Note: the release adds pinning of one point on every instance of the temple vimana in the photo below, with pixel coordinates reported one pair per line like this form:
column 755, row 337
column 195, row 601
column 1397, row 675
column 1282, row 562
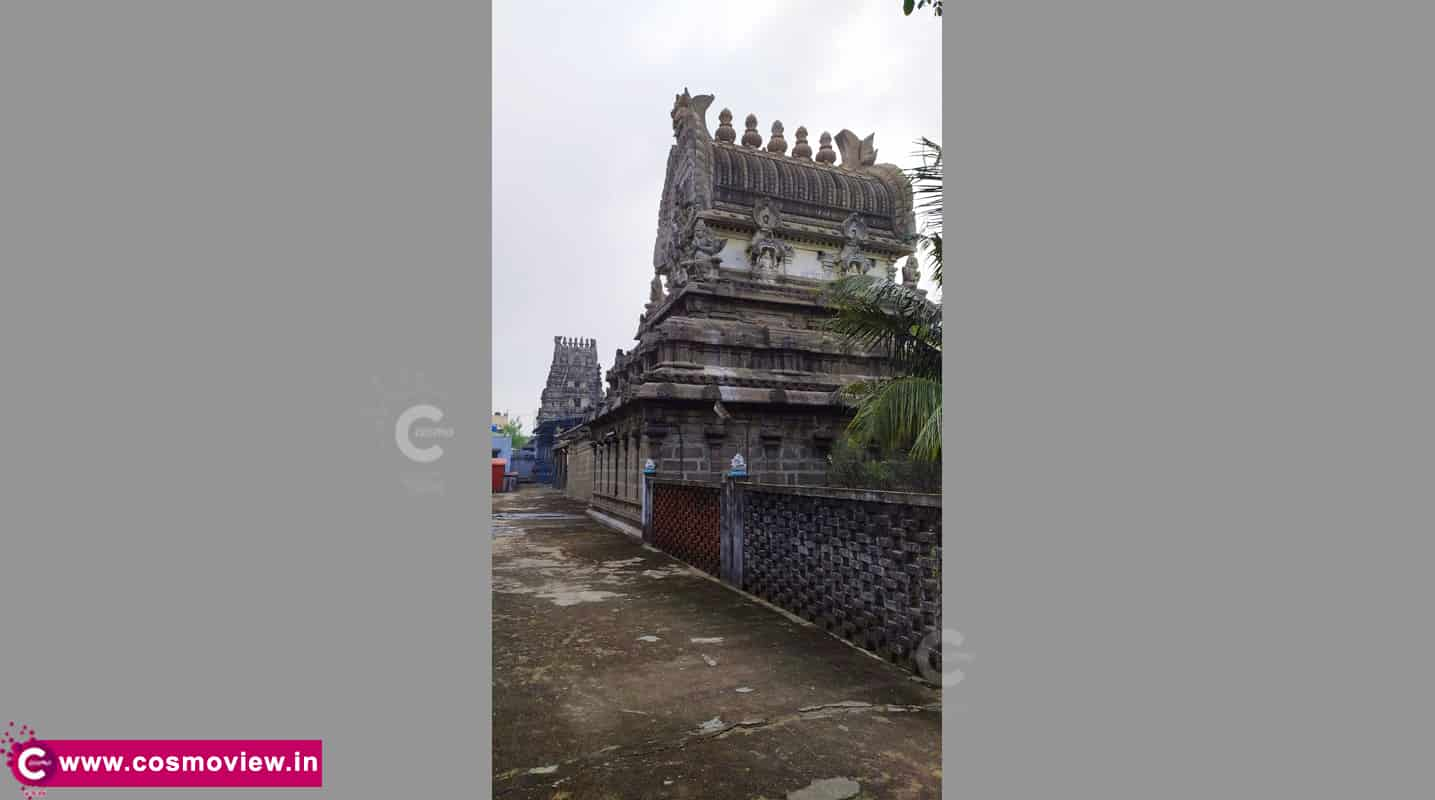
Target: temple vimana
column 731, row 356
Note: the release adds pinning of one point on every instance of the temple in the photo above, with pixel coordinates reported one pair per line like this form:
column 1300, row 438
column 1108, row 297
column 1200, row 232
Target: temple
column 732, row 357
column 572, row 394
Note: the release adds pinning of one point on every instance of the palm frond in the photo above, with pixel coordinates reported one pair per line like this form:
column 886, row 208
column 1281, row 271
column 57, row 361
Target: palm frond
column 882, row 316
column 927, row 201
column 897, row 412
column 928, row 444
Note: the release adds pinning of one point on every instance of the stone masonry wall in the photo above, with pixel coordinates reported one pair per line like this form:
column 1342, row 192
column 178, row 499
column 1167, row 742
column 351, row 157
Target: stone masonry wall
column 580, row 472
column 865, row 565
column 780, row 447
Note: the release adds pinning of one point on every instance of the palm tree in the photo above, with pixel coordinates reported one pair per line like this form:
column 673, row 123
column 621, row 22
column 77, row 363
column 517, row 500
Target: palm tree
column 902, row 412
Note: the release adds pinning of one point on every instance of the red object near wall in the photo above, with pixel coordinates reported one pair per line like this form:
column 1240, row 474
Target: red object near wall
column 498, row 467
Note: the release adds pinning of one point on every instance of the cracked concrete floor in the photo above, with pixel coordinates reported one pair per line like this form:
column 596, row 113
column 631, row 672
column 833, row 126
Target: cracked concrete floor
column 621, row 673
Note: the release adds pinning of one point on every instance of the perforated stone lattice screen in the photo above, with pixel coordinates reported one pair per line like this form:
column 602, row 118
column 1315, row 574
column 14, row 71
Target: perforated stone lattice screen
column 870, row 572
column 685, row 524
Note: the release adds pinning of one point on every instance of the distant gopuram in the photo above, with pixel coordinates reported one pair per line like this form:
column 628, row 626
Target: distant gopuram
column 575, row 384
column 731, row 355
column 572, row 394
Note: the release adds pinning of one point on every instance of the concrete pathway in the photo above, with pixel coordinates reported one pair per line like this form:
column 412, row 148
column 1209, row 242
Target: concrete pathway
column 622, row 673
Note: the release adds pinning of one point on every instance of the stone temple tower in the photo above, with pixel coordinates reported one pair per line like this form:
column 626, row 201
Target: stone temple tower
column 574, row 385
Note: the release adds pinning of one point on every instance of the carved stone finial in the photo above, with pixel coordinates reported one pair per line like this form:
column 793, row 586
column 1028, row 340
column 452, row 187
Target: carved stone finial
column 655, row 291
column 750, row 137
column 802, row 149
column 725, row 131
column 775, row 143
column 825, row 153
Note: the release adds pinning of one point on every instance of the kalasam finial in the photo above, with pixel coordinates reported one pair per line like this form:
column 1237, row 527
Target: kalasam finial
column 825, row 153
column 725, row 132
column 802, row 149
column 750, row 137
column 775, row 143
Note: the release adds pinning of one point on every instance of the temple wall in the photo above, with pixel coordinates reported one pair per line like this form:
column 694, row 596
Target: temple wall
column 788, row 447
column 580, row 472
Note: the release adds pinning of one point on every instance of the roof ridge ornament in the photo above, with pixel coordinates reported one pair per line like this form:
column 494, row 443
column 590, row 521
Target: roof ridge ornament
column 802, row 149
column 750, row 137
column 775, row 143
column 725, row 131
column 690, row 109
column 825, row 153
column 856, row 153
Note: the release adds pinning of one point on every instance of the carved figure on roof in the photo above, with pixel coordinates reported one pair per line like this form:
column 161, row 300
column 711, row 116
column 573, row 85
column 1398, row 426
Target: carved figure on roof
column 849, row 260
column 767, row 253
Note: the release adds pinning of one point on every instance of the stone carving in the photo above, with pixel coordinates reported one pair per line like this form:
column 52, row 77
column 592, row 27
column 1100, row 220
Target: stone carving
column 856, row 153
column 911, row 272
column 775, row 143
column 655, row 292
column 766, row 215
column 725, row 132
column 696, row 247
column 802, row 149
column 854, row 227
column 686, row 108
column 687, row 186
column 750, row 137
column 704, row 243
column 825, row 153
column 766, row 253
column 849, row 260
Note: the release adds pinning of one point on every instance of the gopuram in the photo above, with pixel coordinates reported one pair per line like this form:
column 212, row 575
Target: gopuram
column 572, row 394
column 732, row 357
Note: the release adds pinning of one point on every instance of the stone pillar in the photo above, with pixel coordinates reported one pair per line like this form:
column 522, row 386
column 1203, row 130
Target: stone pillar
column 730, row 529
column 646, row 512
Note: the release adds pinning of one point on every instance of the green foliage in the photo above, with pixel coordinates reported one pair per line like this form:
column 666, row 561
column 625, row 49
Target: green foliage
column 514, row 429
column 853, row 466
column 902, row 412
column 908, row 6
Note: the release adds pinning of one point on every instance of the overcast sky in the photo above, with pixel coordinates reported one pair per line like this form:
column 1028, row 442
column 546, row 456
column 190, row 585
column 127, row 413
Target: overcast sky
column 581, row 95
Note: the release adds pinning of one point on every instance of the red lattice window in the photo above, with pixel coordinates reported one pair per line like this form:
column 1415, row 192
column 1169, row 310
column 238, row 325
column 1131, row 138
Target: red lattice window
column 685, row 524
